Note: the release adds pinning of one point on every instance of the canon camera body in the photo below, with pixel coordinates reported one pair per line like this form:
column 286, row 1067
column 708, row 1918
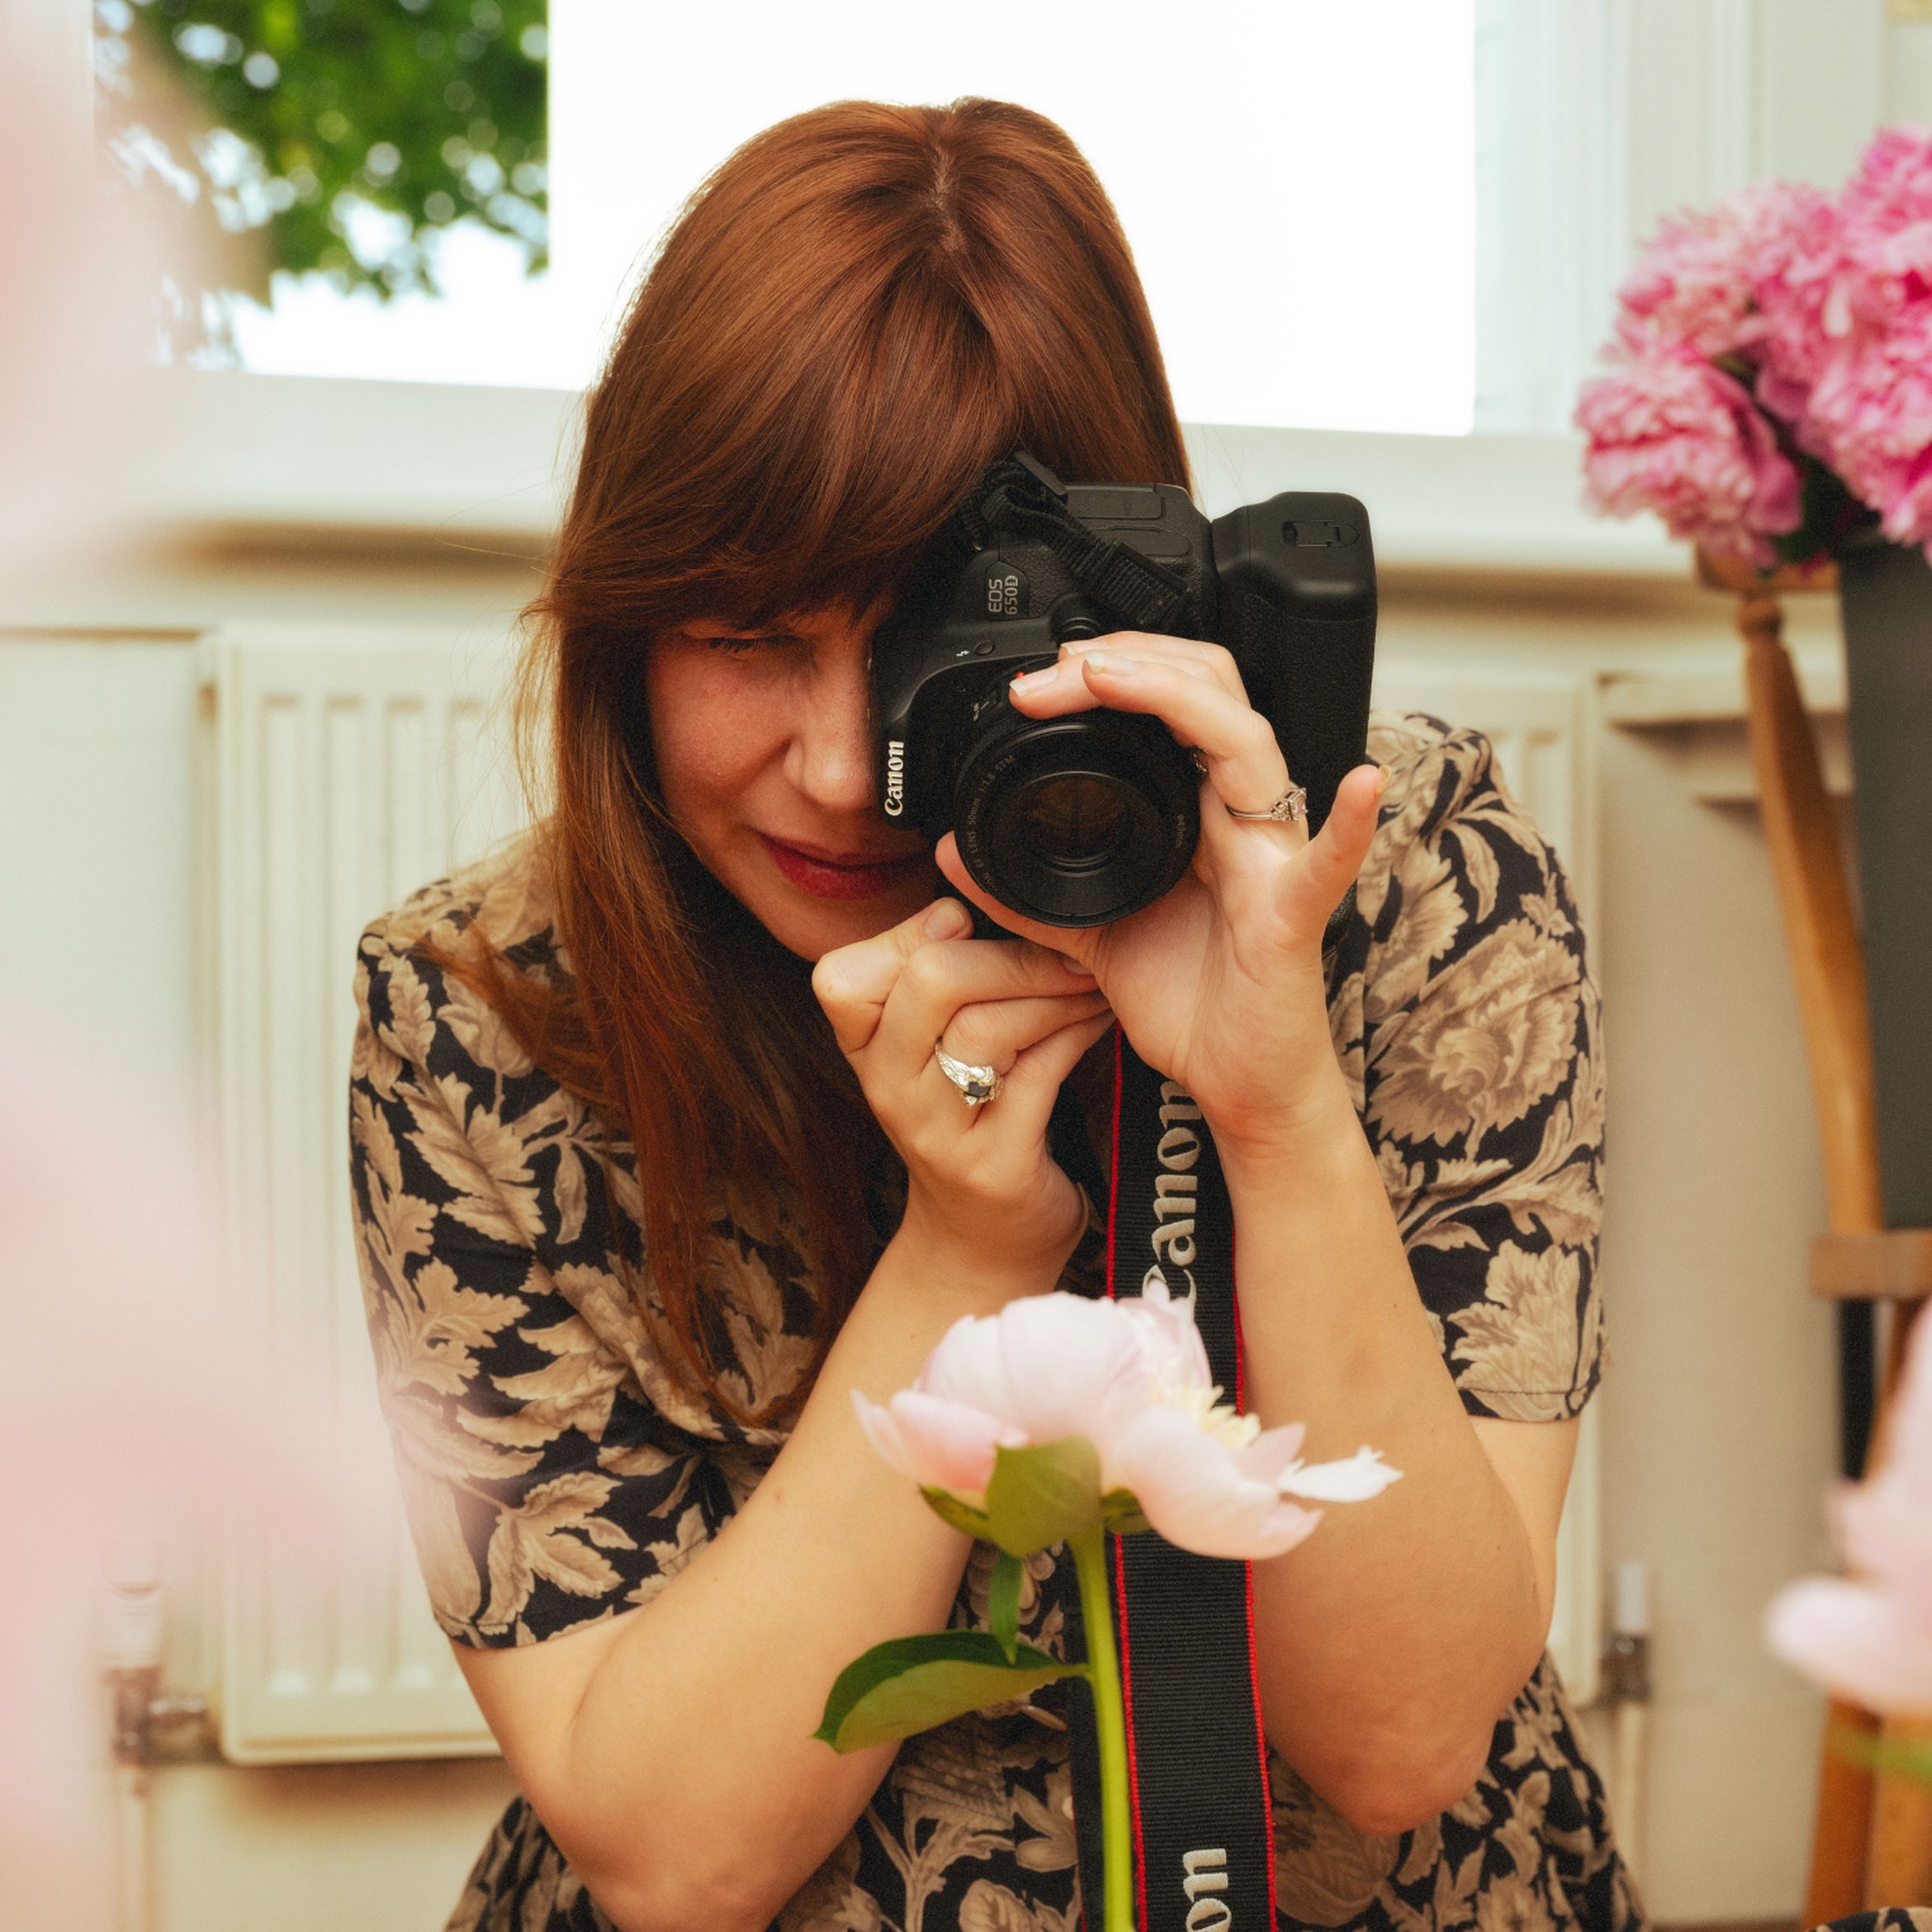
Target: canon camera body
column 1079, row 819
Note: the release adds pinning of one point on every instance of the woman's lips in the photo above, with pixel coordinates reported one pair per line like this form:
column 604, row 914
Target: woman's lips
column 826, row 877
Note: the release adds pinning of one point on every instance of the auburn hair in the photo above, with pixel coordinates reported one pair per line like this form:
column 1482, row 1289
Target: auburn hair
column 860, row 309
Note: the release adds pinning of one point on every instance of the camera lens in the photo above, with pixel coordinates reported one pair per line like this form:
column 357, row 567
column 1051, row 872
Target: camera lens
column 1073, row 820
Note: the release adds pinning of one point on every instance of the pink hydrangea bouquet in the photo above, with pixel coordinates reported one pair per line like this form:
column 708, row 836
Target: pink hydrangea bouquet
column 1770, row 383
column 1058, row 1420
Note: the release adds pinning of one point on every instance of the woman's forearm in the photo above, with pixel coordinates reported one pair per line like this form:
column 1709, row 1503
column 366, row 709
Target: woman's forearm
column 681, row 1778
column 1392, row 1639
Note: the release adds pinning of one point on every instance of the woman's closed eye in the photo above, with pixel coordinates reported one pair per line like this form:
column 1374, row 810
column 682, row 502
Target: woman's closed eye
column 738, row 646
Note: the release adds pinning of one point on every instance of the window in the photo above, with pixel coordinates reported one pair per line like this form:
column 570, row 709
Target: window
column 1296, row 180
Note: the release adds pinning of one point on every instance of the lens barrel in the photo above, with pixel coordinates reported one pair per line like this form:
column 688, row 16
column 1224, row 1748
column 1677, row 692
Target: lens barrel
column 1076, row 820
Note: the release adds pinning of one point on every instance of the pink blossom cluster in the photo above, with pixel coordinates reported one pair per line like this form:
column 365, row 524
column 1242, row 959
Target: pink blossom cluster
column 1673, row 434
column 1781, row 332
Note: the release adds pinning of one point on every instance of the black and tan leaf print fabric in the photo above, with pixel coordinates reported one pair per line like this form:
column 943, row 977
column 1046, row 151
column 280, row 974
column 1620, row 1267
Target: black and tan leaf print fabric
column 554, row 1471
column 1468, row 1028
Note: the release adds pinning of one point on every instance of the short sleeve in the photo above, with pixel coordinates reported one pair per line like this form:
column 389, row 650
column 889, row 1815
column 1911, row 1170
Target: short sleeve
column 543, row 1488
column 1482, row 1080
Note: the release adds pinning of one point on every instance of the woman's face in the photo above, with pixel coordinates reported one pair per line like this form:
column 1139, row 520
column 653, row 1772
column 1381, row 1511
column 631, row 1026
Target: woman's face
column 766, row 766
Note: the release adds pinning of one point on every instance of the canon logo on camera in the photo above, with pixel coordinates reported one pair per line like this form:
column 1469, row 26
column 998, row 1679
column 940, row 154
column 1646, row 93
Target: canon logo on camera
column 895, row 796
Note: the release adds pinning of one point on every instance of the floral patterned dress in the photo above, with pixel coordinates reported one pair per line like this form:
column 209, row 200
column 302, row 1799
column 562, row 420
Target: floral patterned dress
column 557, row 1473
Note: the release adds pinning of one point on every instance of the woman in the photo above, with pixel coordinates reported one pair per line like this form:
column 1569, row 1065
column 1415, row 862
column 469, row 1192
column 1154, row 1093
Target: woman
column 655, row 1163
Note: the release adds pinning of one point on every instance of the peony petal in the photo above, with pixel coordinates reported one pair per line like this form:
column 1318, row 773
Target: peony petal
column 1170, row 1344
column 941, row 1444
column 1287, row 1524
column 882, row 1431
column 1884, row 1532
column 1353, row 1480
column 1855, row 1640
column 1072, row 1368
column 965, row 1366
column 1272, row 1454
column 1192, row 1489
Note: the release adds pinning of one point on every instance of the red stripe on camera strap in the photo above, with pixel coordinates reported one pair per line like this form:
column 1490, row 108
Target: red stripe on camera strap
column 1197, row 1754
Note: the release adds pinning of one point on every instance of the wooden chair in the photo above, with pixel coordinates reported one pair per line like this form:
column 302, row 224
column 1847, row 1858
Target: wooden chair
column 1872, row 1845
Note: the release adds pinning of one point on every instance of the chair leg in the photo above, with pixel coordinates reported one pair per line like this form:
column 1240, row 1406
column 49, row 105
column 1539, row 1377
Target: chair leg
column 1899, row 1868
column 1842, row 1836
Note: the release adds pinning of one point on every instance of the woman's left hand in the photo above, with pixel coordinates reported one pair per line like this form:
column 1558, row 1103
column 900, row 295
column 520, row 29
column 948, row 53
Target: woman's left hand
column 1219, row 984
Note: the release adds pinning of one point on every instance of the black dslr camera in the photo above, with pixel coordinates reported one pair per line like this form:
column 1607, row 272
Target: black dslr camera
column 1077, row 821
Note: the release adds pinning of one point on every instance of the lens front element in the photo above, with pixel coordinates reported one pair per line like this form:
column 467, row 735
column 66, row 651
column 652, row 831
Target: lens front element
column 1073, row 820
column 1076, row 820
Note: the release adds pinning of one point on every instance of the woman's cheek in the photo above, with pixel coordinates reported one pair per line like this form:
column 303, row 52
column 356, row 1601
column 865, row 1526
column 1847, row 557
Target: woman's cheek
column 710, row 716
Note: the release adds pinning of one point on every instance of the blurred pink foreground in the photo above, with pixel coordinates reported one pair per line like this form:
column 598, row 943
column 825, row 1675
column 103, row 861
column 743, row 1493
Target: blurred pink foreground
column 133, row 1410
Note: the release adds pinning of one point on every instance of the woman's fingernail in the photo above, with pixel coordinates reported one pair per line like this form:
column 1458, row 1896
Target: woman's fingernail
column 1073, row 965
column 1112, row 660
column 948, row 920
column 1382, row 783
column 1034, row 680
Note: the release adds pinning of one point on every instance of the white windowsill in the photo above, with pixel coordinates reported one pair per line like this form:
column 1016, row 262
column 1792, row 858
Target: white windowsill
column 290, row 452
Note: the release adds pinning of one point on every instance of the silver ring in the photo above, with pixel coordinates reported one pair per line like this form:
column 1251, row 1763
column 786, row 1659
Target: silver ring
column 977, row 1085
column 1291, row 807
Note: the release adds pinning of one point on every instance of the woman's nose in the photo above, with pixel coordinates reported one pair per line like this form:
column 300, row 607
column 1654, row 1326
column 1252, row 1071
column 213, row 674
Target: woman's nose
column 833, row 745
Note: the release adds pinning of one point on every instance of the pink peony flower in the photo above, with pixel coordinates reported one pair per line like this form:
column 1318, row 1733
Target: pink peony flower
column 1848, row 335
column 1870, row 408
column 1825, row 307
column 1695, row 287
column 1884, row 217
column 1871, row 1640
column 1799, row 307
column 1132, row 1377
column 1869, row 414
column 1670, row 433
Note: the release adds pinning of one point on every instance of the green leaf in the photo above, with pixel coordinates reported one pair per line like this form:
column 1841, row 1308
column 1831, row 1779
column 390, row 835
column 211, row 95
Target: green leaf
column 1002, row 1601
column 962, row 1516
column 912, row 1684
column 1044, row 1495
column 1120, row 1511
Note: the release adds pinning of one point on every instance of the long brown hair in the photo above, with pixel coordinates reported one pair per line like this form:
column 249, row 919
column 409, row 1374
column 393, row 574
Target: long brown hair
column 860, row 309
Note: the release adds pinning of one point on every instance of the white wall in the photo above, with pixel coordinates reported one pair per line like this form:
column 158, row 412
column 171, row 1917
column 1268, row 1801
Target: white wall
column 95, row 739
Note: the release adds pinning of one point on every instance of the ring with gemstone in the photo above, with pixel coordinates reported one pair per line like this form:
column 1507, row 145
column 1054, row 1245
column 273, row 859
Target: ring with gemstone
column 977, row 1085
column 1290, row 808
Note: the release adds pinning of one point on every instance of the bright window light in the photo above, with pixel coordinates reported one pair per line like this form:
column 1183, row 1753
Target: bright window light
column 1296, row 182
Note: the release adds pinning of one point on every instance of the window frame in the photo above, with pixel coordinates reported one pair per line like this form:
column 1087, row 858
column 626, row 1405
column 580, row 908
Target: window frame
column 1592, row 118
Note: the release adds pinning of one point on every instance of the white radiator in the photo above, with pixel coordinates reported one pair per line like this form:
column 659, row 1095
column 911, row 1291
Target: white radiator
column 343, row 768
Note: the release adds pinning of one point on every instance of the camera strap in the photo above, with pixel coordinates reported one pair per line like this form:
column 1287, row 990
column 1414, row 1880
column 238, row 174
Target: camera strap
column 1013, row 496
column 1203, row 1839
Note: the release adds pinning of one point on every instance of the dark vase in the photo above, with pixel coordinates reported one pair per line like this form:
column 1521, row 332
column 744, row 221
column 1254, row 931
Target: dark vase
column 1885, row 594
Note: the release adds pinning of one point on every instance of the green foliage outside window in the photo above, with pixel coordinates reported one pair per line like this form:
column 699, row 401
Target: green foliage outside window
column 430, row 111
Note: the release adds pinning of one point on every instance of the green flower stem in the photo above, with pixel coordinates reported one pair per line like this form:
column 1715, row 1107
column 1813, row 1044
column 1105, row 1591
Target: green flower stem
column 1103, row 1677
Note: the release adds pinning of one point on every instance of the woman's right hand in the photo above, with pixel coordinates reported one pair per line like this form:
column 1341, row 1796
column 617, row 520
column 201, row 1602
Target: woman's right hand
column 982, row 1184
